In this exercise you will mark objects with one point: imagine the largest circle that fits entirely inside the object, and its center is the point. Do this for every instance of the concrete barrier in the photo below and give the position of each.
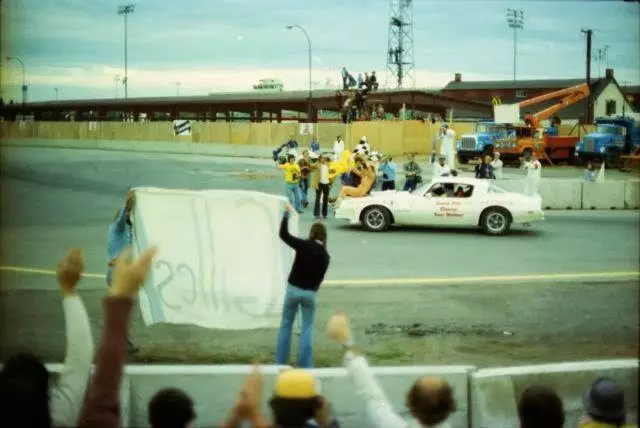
(632, 195)
(495, 392)
(556, 193)
(395, 382)
(608, 194)
(213, 389)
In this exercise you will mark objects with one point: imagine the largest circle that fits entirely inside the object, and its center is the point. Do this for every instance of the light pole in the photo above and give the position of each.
(515, 19)
(178, 89)
(126, 10)
(24, 81)
(291, 27)
(56, 89)
(116, 78)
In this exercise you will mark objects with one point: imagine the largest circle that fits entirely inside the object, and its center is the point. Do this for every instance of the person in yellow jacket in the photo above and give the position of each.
(292, 176)
(604, 406)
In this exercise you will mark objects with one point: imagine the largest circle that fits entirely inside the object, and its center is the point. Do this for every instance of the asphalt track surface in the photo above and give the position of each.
(563, 289)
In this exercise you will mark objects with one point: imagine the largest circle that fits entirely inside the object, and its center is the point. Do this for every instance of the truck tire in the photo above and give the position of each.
(463, 160)
(613, 159)
(495, 221)
(488, 151)
(375, 219)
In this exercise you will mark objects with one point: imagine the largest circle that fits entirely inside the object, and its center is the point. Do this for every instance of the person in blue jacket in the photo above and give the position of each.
(120, 237)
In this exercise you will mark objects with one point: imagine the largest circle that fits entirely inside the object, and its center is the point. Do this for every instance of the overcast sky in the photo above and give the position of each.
(77, 46)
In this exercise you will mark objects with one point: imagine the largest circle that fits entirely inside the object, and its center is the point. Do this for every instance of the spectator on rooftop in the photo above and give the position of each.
(297, 402)
(360, 81)
(171, 408)
(307, 273)
(373, 81)
(540, 407)
(604, 406)
(430, 400)
(102, 402)
(24, 380)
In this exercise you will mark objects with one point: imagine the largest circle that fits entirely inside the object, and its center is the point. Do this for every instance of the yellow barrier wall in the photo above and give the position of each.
(391, 137)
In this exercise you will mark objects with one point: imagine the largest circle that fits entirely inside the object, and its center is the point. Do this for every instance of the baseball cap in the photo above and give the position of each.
(605, 399)
(296, 384)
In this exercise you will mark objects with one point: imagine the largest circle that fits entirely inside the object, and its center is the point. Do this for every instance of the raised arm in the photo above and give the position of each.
(102, 403)
(68, 395)
(286, 237)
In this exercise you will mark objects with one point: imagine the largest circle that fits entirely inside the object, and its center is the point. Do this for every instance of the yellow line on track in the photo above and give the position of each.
(408, 281)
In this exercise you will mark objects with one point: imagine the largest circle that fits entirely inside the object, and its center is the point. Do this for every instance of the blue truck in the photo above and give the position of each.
(613, 137)
(481, 142)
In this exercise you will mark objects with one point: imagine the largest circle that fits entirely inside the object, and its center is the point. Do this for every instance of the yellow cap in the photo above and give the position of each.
(296, 384)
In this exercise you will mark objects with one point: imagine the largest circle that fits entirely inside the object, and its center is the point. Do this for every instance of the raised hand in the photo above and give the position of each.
(69, 271)
(129, 275)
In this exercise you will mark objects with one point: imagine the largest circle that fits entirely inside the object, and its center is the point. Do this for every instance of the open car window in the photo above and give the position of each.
(450, 190)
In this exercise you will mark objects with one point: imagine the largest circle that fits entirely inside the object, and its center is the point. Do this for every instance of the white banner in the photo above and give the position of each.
(182, 128)
(221, 263)
(306, 129)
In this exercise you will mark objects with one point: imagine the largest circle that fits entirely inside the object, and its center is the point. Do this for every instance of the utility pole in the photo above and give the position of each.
(56, 89)
(178, 89)
(116, 78)
(515, 19)
(400, 62)
(126, 10)
(587, 104)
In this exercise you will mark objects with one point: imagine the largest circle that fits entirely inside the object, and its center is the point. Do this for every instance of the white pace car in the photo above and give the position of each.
(444, 202)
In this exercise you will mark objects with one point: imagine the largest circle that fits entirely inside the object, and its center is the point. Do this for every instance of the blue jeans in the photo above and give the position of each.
(293, 194)
(304, 189)
(305, 300)
(410, 184)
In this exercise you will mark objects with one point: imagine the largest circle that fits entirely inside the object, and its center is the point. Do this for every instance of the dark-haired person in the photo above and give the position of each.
(297, 402)
(430, 400)
(604, 406)
(171, 408)
(540, 407)
(24, 380)
(292, 175)
(307, 273)
(120, 237)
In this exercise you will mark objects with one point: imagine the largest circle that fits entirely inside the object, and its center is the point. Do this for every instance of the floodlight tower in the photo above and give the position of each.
(515, 19)
(126, 10)
(400, 64)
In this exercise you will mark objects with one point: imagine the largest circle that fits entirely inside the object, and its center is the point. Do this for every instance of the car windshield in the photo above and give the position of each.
(609, 129)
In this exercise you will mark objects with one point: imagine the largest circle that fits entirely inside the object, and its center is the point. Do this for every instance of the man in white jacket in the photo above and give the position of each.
(497, 165)
(441, 168)
(533, 169)
(448, 145)
(24, 380)
(430, 400)
(338, 148)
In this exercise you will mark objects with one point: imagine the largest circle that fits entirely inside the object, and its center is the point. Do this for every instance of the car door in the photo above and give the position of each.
(461, 209)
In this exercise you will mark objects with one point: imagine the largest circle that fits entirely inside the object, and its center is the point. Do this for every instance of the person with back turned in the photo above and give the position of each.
(307, 273)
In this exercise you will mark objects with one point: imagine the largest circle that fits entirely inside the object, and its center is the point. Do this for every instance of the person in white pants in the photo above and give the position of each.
(447, 145)
(533, 169)
(338, 148)
(497, 165)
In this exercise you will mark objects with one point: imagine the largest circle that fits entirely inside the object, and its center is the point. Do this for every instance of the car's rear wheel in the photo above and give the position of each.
(496, 221)
(376, 219)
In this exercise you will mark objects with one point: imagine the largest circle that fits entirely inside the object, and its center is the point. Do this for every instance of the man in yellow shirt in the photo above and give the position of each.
(292, 175)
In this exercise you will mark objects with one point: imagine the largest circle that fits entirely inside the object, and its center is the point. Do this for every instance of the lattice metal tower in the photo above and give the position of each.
(400, 65)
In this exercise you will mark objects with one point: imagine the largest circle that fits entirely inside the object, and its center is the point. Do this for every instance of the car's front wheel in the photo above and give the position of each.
(496, 221)
(376, 219)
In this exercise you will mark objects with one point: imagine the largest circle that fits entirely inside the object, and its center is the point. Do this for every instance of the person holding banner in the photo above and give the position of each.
(307, 273)
(120, 237)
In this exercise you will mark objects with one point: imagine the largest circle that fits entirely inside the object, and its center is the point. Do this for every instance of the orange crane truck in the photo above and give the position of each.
(528, 135)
